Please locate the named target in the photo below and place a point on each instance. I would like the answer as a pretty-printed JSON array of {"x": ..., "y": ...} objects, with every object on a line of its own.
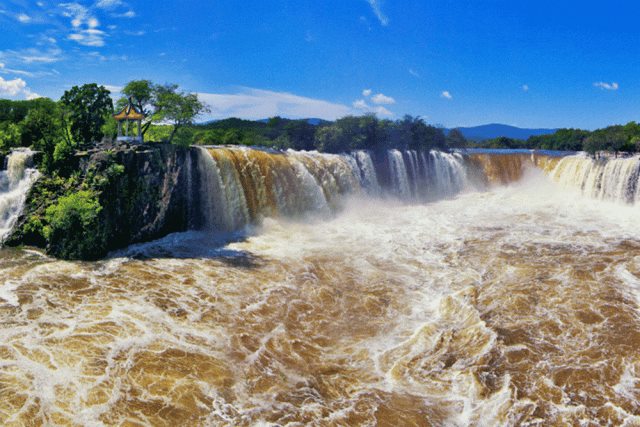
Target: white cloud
[
  {"x": 88, "y": 37},
  {"x": 12, "y": 87},
  {"x": 367, "y": 92},
  {"x": 32, "y": 55},
  {"x": 128, "y": 14},
  {"x": 525, "y": 88},
  {"x": 31, "y": 95},
  {"x": 77, "y": 12},
  {"x": 109, "y": 4},
  {"x": 446, "y": 94},
  {"x": 414, "y": 73},
  {"x": 361, "y": 104},
  {"x": 24, "y": 18},
  {"x": 259, "y": 104},
  {"x": 382, "y": 99},
  {"x": 375, "y": 5},
  {"x": 84, "y": 25},
  {"x": 607, "y": 86},
  {"x": 16, "y": 87},
  {"x": 116, "y": 91},
  {"x": 363, "y": 107},
  {"x": 5, "y": 70}
]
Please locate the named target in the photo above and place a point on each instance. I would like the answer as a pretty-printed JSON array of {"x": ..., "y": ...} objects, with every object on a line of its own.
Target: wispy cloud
[
  {"x": 367, "y": 92},
  {"x": 446, "y": 95},
  {"x": 377, "y": 10},
  {"x": 15, "y": 88},
  {"x": 382, "y": 99},
  {"x": 109, "y": 4},
  {"x": 32, "y": 55},
  {"x": 84, "y": 25},
  {"x": 254, "y": 104},
  {"x": 607, "y": 86},
  {"x": 136, "y": 33},
  {"x": 18, "y": 72},
  {"x": 525, "y": 88},
  {"x": 414, "y": 73},
  {"x": 127, "y": 14}
]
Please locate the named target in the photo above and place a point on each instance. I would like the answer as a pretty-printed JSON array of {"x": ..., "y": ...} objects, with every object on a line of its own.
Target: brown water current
[{"x": 517, "y": 306}]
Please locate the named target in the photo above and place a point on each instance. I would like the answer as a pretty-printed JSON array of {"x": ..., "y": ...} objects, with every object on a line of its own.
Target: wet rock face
[
  {"x": 149, "y": 200},
  {"x": 145, "y": 193}
]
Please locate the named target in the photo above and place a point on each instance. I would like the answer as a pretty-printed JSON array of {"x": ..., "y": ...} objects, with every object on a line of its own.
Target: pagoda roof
[{"x": 130, "y": 112}]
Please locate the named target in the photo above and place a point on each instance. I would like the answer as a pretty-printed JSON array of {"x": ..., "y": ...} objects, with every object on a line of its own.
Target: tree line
[
  {"x": 348, "y": 133},
  {"x": 617, "y": 138}
]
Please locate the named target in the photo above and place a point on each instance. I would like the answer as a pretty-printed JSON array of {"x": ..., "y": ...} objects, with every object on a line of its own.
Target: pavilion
[{"x": 130, "y": 114}]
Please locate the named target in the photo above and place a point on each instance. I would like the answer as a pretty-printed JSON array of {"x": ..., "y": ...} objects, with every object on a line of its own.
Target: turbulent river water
[{"x": 440, "y": 290}]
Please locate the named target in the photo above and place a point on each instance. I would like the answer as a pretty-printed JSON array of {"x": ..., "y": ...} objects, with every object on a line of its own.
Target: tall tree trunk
[{"x": 173, "y": 133}]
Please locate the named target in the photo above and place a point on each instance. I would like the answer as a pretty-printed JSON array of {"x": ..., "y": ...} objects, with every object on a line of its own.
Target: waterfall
[
  {"x": 449, "y": 174},
  {"x": 399, "y": 175},
  {"x": 15, "y": 182},
  {"x": 368, "y": 176},
  {"x": 605, "y": 178},
  {"x": 238, "y": 186}
]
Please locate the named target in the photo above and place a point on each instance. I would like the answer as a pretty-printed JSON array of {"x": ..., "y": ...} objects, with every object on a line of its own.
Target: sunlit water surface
[{"x": 515, "y": 306}]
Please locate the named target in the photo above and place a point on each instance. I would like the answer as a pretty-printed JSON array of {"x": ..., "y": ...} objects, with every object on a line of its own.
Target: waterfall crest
[
  {"x": 238, "y": 186},
  {"x": 614, "y": 179},
  {"x": 15, "y": 183}
]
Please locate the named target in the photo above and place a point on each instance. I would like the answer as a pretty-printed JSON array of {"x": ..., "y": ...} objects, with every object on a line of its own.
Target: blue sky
[{"x": 456, "y": 63}]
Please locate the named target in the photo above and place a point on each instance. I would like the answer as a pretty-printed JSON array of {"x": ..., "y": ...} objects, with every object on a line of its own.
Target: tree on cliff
[
  {"x": 163, "y": 104},
  {"x": 85, "y": 111},
  {"x": 178, "y": 108},
  {"x": 143, "y": 93},
  {"x": 42, "y": 130}
]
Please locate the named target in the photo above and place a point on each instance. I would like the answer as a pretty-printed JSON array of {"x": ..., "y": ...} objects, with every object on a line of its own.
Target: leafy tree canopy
[{"x": 86, "y": 109}]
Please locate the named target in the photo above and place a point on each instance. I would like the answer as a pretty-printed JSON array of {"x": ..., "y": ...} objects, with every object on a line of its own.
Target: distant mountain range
[{"x": 495, "y": 130}]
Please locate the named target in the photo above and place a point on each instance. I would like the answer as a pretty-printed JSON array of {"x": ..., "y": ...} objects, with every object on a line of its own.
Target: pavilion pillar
[
  {"x": 119, "y": 128},
  {"x": 140, "y": 130}
]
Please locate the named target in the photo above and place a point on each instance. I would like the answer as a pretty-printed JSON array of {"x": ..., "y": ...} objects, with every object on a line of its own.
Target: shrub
[{"x": 74, "y": 228}]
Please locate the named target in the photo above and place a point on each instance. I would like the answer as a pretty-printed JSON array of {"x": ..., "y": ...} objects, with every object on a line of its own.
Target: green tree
[
  {"x": 330, "y": 139},
  {"x": 86, "y": 109},
  {"x": 300, "y": 135},
  {"x": 42, "y": 130},
  {"x": 178, "y": 108},
  {"x": 9, "y": 136},
  {"x": 143, "y": 94},
  {"x": 594, "y": 143},
  {"x": 456, "y": 139}
]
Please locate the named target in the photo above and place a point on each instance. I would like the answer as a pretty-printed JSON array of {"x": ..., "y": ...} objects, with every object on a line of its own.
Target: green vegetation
[
  {"x": 613, "y": 139},
  {"x": 163, "y": 104},
  {"x": 74, "y": 227},
  {"x": 85, "y": 111},
  {"x": 347, "y": 133}
]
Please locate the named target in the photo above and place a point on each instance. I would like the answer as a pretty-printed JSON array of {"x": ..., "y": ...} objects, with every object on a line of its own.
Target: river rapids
[{"x": 446, "y": 290}]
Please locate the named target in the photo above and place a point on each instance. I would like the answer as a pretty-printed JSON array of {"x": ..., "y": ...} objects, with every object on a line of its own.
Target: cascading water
[
  {"x": 614, "y": 179},
  {"x": 508, "y": 307},
  {"x": 239, "y": 185},
  {"x": 15, "y": 182}
]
